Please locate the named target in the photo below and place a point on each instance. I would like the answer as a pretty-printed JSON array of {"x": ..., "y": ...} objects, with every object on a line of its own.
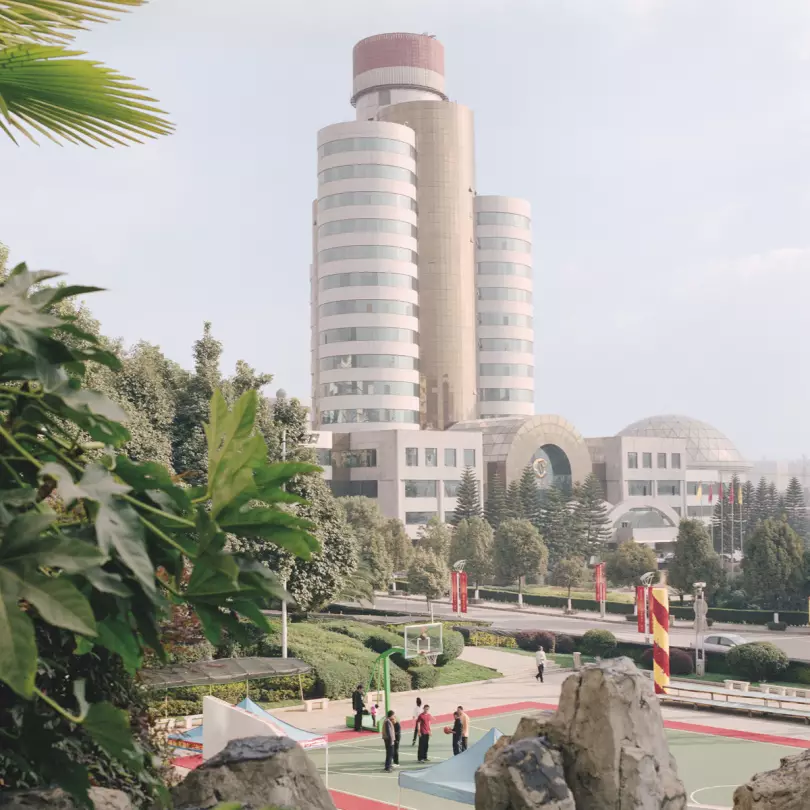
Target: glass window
[
  {"x": 632, "y": 461},
  {"x": 637, "y": 488},
  {"x": 505, "y": 319},
  {"x": 375, "y": 198},
  {"x": 349, "y": 333},
  {"x": 692, "y": 487},
  {"x": 368, "y": 280},
  {"x": 502, "y": 218},
  {"x": 366, "y": 145},
  {"x": 505, "y": 370},
  {"x": 505, "y": 395},
  {"x": 451, "y": 488},
  {"x": 504, "y": 269},
  {"x": 372, "y": 306},
  {"x": 431, "y": 457},
  {"x": 449, "y": 456},
  {"x": 646, "y": 461},
  {"x": 676, "y": 461},
  {"x": 355, "y": 252},
  {"x": 419, "y": 518},
  {"x": 669, "y": 487},
  {"x": 411, "y": 456},
  {"x": 343, "y": 489},
  {"x": 421, "y": 489},
  {"x": 369, "y": 387},
  {"x": 449, "y": 517},
  {"x": 384, "y": 97},
  {"x": 324, "y": 456},
  {"x": 505, "y": 345},
  {"x": 662, "y": 461},
  {"x": 700, "y": 511},
  {"x": 354, "y": 458},
  {"x": 502, "y": 243},
  {"x": 469, "y": 458},
  {"x": 367, "y": 226},
  {"x": 341, "y": 361},
  {"x": 504, "y": 294},
  {"x": 362, "y": 415},
  {"x": 362, "y": 171}
]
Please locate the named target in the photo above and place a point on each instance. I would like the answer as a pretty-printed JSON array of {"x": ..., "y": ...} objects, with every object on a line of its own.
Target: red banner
[
  {"x": 641, "y": 608},
  {"x": 650, "y": 609},
  {"x": 462, "y": 587},
  {"x": 454, "y": 590},
  {"x": 601, "y": 584}
]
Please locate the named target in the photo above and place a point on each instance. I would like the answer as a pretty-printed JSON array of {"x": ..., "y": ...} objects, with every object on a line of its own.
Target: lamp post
[
  {"x": 701, "y": 610},
  {"x": 284, "y": 581}
]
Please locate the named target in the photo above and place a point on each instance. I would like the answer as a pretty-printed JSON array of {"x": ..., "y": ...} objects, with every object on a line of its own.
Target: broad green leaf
[
  {"x": 71, "y": 555},
  {"x": 66, "y": 488},
  {"x": 100, "y": 485},
  {"x": 59, "y": 602},
  {"x": 49, "y": 296},
  {"x": 150, "y": 478},
  {"x": 24, "y": 536},
  {"x": 106, "y": 582},
  {"x": 18, "y": 647},
  {"x": 83, "y": 645},
  {"x": 252, "y": 612},
  {"x": 118, "y": 526},
  {"x": 23, "y": 496},
  {"x": 109, "y": 728},
  {"x": 79, "y": 693},
  {"x": 115, "y": 634}
]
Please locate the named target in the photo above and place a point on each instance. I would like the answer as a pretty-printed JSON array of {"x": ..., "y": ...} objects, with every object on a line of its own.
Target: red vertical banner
[
  {"x": 454, "y": 590},
  {"x": 462, "y": 588},
  {"x": 641, "y": 608},
  {"x": 650, "y": 609},
  {"x": 601, "y": 585}
]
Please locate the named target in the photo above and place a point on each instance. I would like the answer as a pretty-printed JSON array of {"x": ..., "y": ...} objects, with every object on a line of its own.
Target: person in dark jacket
[
  {"x": 389, "y": 737},
  {"x": 397, "y": 738},
  {"x": 457, "y": 733},
  {"x": 359, "y": 707}
]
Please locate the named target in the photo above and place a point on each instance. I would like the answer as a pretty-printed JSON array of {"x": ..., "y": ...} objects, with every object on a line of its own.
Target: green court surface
[{"x": 711, "y": 766}]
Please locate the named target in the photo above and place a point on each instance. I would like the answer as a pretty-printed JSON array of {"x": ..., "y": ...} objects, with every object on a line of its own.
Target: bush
[
  {"x": 757, "y": 661},
  {"x": 479, "y": 638},
  {"x": 563, "y": 644},
  {"x": 452, "y": 646},
  {"x": 798, "y": 672},
  {"x": 681, "y": 662},
  {"x": 424, "y": 677},
  {"x": 781, "y": 626},
  {"x": 533, "y": 640},
  {"x": 598, "y": 642}
]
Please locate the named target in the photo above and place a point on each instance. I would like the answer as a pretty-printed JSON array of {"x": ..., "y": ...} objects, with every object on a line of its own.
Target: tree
[
  {"x": 695, "y": 560},
  {"x": 428, "y": 575},
  {"x": 45, "y": 89},
  {"x": 468, "y": 499},
  {"x": 570, "y": 573},
  {"x": 518, "y": 551},
  {"x": 435, "y": 536},
  {"x": 773, "y": 566},
  {"x": 398, "y": 544},
  {"x": 472, "y": 541},
  {"x": 497, "y": 505},
  {"x": 796, "y": 510},
  {"x": 748, "y": 508},
  {"x": 556, "y": 527},
  {"x": 529, "y": 495},
  {"x": 772, "y": 503},
  {"x": 591, "y": 523},
  {"x": 761, "y": 504},
  {"x": 726, "y": 518},
  {"x": 514, "y": 504},
  {"x": 369, "y": 526},
  {"x": 626, "y": 565}
]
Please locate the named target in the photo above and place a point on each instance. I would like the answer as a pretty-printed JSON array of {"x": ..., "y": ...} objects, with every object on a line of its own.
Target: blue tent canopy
[{"x": 454, "y": 778}]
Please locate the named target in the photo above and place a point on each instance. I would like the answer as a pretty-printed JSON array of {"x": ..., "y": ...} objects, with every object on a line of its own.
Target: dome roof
[{"x": 706, "y": 447}]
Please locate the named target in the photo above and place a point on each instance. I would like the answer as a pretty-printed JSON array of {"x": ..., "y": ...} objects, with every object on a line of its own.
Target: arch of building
[{"x": 620, "y": 509}]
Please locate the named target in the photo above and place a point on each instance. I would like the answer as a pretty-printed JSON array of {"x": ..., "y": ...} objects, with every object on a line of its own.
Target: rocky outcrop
[
  {"x": 57, "y": 799},
  {"x": 785, "y": 788},
  {"x": 258, "y": 772}
]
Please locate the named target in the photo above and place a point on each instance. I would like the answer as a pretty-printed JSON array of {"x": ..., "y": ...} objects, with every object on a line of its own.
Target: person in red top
[{"x": 423, "y": 725}]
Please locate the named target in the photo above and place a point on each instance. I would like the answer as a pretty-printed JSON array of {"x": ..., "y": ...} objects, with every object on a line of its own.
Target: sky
[{"x": 663, "y": 145}]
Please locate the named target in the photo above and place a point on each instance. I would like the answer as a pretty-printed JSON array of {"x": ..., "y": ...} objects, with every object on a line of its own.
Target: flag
[
  {"x": 739, "y": 494},
  {"x": 721, "y": 491},
  {"x": 699, "y": 492},
  {"x": 711, "y": 492},
  {"x": 731, "y": 494}
]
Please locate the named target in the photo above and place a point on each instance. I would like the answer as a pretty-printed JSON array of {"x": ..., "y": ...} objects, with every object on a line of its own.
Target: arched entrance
[{"x": 552, "y": 467}]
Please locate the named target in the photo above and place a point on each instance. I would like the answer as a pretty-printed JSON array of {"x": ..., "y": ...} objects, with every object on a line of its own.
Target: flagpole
[
  {"x": 722, "y": 519},
  {"x": 731, "y": 498}
]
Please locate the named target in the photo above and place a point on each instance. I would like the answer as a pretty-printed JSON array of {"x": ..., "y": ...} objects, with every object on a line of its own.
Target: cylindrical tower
[
  {"x": 392, "y": 68},
  {"x": 365, "y": 279},
  {"x": 505, "y": 309},
  {"x": 445, "y": 158}
]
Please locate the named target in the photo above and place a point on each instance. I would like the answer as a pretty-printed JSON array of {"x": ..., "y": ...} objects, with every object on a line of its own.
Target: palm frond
[
  {"x": 54, "y": 21},
  {"x": 359, "y": 587},
  {"x": 44, "y": 88}
]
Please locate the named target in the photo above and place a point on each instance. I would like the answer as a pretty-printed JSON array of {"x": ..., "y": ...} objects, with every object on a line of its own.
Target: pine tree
[
  {"x": 468, "y": 500},
  {"x": 590, "y": 520},
  {"x": 773, "y": 568},
  {"x": 496, "y": 508},
  {"x": 748, "y": 508},
  {"x": 773, "y": 502},
  {"x": 529, "y": 494},
  {"x": 556, "y": 527},
  {"x": 726, "y": 532},
  {"x": 796, "y": 509},
  {"x": 695, "y": 560},
  {"x": 760, "y": 510},
  {"x": 514, "y": 506}
]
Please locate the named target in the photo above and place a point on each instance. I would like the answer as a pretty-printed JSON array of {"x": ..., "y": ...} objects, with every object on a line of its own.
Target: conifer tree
[
  {"x": 530, "y": 499},
  {"x": 556, "y": 527},
  {"x": 748, "y": 508},
  {"x": 796, "y": 509},
  {"x": 760, "y": 511},
  {"x": 514, "y": 506},
  {"x": 497, "y": 507},
  {"x": 590, "y": 521},
  {"x": 468, "y": 500},
  {"x": 773, "y": 510}
]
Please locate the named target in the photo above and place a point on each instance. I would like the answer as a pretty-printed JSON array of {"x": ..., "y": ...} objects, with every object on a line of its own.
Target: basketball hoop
[{"x": 430, "y": 658}]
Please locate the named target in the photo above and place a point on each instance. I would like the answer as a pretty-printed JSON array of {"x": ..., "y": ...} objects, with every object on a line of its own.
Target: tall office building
[{"x": 421, "y": 291}]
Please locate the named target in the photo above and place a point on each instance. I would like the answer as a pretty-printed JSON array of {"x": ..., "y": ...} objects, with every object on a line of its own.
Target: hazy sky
[{"x": 663, "y": 144}]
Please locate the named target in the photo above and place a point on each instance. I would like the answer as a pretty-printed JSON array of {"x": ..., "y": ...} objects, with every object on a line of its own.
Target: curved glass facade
[
  {"x": 348, "y": 416},
  {"x": 505, "y": 345},
  {"x": 377, "y": 198},
  {"x": 373, "y": 306},
  {"x": 504, "y": 319},
  {"x": 366, "y": 145},
  {"x": 385, "y": 333},
  {"x": 505, "y": 370},
  {"x": 368, "y": 280},
  {"x": 367, "y": 226},
  {"x": 504, "y": 294},
  {"x": 503, "y": 218},
  {"x": 505, "y": 395},
  {"x": 504, "y": 243},
  {"x": 369, "y": 387},
  {"x": 341, "y": 361},
  {"x": 337, "y": 254},
  {"x": 504, "y": 269},
  {"x": 364, "y": 171}
]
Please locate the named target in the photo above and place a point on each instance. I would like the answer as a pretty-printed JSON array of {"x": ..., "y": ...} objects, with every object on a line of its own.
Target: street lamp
[{"x": 701, "y": 609}]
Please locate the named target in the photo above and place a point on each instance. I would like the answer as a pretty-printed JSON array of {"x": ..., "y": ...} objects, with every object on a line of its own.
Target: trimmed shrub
[
  {"x": 533, "y": 640},
  {"x": 424, "y": 677},
  {"x": 452, "y": 646},
  {"x": 479, "y": 638},
  {"x": 563, "y": 644},
  {"x": 780, "y": 626},
  {"x": 680, "y": 663},
  {"x": 798, "y": 672},
  {"x": 759, "y": 660},
  {"x": 598, "y": 642}
]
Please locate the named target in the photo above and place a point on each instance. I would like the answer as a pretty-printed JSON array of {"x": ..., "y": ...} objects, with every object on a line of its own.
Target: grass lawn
[
  {"x": 561, "y": 659},
  {"x": 549, "y": 590},
  {"x": 459, "y": 671}
]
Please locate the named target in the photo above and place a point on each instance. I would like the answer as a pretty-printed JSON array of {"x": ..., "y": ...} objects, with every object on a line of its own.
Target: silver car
[{"x": 722, "y": 642}]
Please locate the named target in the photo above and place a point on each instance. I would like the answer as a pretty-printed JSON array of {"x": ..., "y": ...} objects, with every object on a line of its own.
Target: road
[{"x": 794, "y": 642}]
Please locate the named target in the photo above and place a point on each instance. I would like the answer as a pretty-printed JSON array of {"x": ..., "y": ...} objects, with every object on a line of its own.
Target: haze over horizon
[{"x": 662, "y": 145}]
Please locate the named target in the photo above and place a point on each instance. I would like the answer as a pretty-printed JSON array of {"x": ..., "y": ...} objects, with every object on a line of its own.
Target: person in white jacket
[{"x": 540, "y": 660}]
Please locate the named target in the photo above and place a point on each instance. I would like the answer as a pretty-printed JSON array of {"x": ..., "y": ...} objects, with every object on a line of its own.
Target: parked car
[{"x": 722, "y": 642}]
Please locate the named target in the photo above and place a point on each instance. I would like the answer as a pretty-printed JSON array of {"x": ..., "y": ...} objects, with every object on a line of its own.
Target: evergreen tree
[
  {"x": 514, "y": 506},
  {"x": 496, "y": 502},
  {"x": 695, "y": 560},
  {"x": 557, "y": 528},
  {"x": 773, "y": 510},
  {"x": 435, "y": 537},
  {"x": 518, "y": 551},
  {"x": 796, "y": 509},
  {"x": 760, "y": 511},
  {"x": 472, "y": 541},
  {"x": 399, "y": 545},
  {"x": 748, "y": 508},
  {"x": 590, "y": 520},
  {"x": 773, "y": 567},
  {"x": 529, "y": 496},
  {"x": 726, "y": 532},
  {"x": 468, "y": 500}
]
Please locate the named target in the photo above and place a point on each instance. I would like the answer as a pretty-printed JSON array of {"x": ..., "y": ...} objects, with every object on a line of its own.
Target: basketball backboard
[{"x": 423, "y": 640}]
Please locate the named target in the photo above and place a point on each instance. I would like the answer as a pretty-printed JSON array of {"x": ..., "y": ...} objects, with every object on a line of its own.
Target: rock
[
  {"x": 523, "y": 775},
  {"x": 500, "y": 743},
  {"x": 57, "y": 799},
  {"x": 537, "y": 726},
  {"x": 256, "y": 771},
  {"x": 609, "y": 727},
  {"x": 785, "y": 788}
]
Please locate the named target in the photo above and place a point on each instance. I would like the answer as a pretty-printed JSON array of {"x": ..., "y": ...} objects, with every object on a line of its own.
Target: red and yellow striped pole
[{"x": 660, "y": 639}]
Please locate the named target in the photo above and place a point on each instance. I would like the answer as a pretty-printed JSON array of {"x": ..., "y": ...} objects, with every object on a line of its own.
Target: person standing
[
  {"x": 397, "y": 738},
  {"x": 388, "y": 735},
  {"x": 417, "y": 710},
  {"x": 540, "y": 660},
  {"x": 358, "y": 706},
  {"x": 456, "y": 733},
  {"x": 424, "y": 724},
  {"x": 465, "y": 728}
]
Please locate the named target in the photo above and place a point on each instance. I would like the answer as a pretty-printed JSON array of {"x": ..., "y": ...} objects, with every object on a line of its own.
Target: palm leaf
[
  {"x": 53, "y": 21},
  {"x": 43, "y": 88}
]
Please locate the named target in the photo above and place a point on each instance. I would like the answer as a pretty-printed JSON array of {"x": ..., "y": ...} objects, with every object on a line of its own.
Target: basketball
[{"x": 448, "y": 729}]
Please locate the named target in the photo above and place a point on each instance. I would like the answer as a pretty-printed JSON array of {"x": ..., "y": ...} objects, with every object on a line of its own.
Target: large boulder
[
  {"x": 785, "y": 788},
  {"x": 57, "y": 799},
  {"x": 523, "y": 775},
  {"x": 609, "y": 727},
  {"x": 258, "y": 772}
]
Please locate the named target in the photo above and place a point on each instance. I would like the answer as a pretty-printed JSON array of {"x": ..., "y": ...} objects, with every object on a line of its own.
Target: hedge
[
  {"x": 598, "y": 642},
  {"x": 533, "y": 640},
  {"x": 563, "y": 644},
  {"x": 794, "y": 618},
  {"x": 424, "y": 677},
  {"x": 479, "y": 638},
  {"x": 681, "y": 662},
  {"x": 542, "y": 600},
  {"x": 452, "y": 646},
  {"x": 757, "y": 661}
]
